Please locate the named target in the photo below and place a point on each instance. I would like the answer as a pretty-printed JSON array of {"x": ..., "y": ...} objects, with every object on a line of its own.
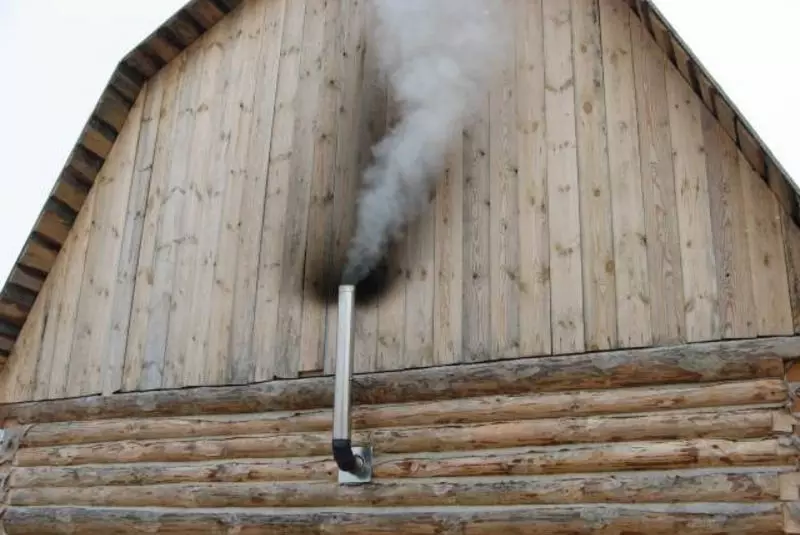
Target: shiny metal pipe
[{"x": 344, "y": 363}]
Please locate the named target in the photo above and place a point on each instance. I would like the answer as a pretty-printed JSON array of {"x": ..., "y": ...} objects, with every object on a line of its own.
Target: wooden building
[{"x": 592, "y": 328}]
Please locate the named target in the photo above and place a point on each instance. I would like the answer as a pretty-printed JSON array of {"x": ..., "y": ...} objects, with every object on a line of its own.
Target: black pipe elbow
[{"x": 344, "y": 456}]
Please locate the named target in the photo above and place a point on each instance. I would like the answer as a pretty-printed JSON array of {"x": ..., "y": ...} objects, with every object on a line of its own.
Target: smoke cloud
[{"x": 439, "y": 58}]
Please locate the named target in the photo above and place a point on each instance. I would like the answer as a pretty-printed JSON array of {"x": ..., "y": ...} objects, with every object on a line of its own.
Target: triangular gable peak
[{"x": 99, "y": 135}]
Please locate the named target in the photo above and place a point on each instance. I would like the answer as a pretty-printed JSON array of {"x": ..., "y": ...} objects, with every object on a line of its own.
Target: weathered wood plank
[
  {"x": 247, "y": 35},
  {"x": 432, "y": 413},
  {"x": 132, "y": 235},
  {"x": 211, "y": 185},
  {"x": 298, "y": 343},
  {"x": 449, "y": 260},
  {"x": 567, "y": 310},
  {"x": 242, "y": 361},
  {"x": 476, "y": 343},
  {"x": 197, "y": 227},
  {"x": 371, "y": 103},
  {"x": 573, "y": 459},
  {"x": 726, "y": 193},
  {"x": 634, "y": 326},
  {"x": 690, "y": 519},
  {"x": 173, "y": 161},
  {"x": 694, "y": 221},
  {"x": 392, "y": 305},
  {"x": 707, "y": 423},
  {"x": 597, "y": 240},
  {"x": 75, "y": 256},
  {"x": 99, "y": 285},
  {"x": 504, "y": 264},
  {"x": 713, "y": 361},
  {"x": 279, "y": 183},
  {"x": 534, "y": 247},
  {"x": 773, "y": 312},
  {"x": 653, "y": 487},
  {"x": 339, "y": 154},
  {"x": 138, "y": 358},
  {"x": 791, "y": 236}
]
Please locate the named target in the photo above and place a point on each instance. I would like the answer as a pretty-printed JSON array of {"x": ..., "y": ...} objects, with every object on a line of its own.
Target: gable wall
[{"x": 596, "y": 205}]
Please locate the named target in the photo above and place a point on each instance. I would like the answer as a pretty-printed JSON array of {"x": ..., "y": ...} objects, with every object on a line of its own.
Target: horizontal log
[
  {"x": 694, "y": 363},
  {"x": 633, "y": 487},
  {"x": 471, "y": 410},
  {"x": 583, "y": 458},
  {"x": 667, "y": 519},
  {"x": 728, "y": 424}
]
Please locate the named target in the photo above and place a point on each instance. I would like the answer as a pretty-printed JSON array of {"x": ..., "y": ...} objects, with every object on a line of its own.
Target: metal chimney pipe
[{"x": 354, "y": 463}]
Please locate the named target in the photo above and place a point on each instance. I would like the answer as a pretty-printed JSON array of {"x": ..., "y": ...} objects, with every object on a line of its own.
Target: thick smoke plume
[{"x": 440, "y": 58}]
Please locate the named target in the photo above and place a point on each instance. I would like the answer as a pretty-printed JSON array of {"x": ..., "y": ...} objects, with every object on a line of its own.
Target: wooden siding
[
  {"x": 597, "y": 204},
  {"x": 694, "y": 439}
]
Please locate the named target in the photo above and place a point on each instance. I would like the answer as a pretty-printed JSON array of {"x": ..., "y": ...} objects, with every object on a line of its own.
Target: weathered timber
[
  {"x": 560, "y": 459},
  {"x": 727, "y": 485},
  {"x": 471, "y": 410},
  {"x": 707, "y": 362},
  {"x": 730, "y": 424},
  {"x": 666, "y": 519}
]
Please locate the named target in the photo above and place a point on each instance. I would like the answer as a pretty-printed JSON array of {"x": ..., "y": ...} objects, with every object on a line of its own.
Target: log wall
[
  {"x": 696, "y": 439},
  {"x": 597, "y": 204}
]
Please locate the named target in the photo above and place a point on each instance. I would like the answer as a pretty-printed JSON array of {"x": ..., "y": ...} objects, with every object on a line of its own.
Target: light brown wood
[
  {"x": 534, "y": 248},
  {"x": 562, "y": 181},
  {"x": 714, "y": 361},
  {"x": 628, "y": 222},
  {"x": 434, "y": 413},
  {"x": 243, "y": 361},
  {"x": 656, "y": 519},
  {"x": 196, "y": 222},
  {"x": 767, "y": 256},
  {"x": 658, "y": 189},
  {"x": 254, "y": 159},
  {"x": 673, "y": 487},
  {"x": 726, "y": 193},
  {"x": 529, "y": 461},
  {"x": 727, "y": 424},
  {"x": 173, "y": 232},
  {"x": 504, "y": 208},
  {"x": 477, "y": 200},
  {"x": 137, "y": 357},
  {"x": 597, "y": 240},
  {"x": 93, "y": 313},
  {"x": 791, "y": 236},
  {"x": 276, "y": 203},
  {"x": 694, "y": 222},
  {"x": 120, "y": 314}
]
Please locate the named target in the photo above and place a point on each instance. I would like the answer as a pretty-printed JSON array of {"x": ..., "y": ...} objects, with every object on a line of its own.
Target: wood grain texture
[
  {"x": 590, "y": 207},
  {"x": 534, "y": 235},
  {"x": 597, "y": 238},
  {"x": 630, "y": 239},
  {"x": 95, "y": 306},
  {"x": 714, "y": 361},
  {"x": 658, "y": 189},
  {"x": 767, "y": 255},
  {"x": 529, "y": 461},
  {"x": 690, "y": 519},
  {"x": 504, "y": 210},
  {"x": 562, "y": 188},
  {"x": 731, "y": 242},
  {"x": 673, "y": 487},
  {"x": 700, "y": 286},
  {"x": 431, "y": 413}
]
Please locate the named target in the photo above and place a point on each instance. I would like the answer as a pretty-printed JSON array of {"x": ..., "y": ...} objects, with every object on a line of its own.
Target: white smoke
[{"x": 440, "y": 58}]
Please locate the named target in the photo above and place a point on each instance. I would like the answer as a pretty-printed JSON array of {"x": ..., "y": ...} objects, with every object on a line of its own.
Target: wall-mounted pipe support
[{"x": 355, "y": 463}]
